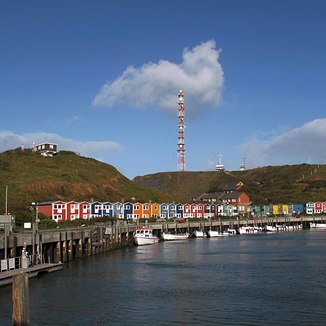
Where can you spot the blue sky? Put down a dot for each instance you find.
(101, 78)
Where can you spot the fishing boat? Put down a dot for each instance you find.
(174, 237)
(317, 225)
(145, 236)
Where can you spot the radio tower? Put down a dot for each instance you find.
(181, 138)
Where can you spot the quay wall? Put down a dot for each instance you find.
(63, 245)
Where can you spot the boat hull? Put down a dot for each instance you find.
(174, 237)
(317, 225)
(248, 230)
(145, 236)
(199, 234)
(141, 241)
(215, 234)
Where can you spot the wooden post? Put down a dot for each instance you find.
(20, 300)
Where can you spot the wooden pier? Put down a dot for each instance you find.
(6, 278)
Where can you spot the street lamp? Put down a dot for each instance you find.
(34, 232)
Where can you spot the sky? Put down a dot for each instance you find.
(101, 78)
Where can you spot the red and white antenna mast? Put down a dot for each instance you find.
(181, 128)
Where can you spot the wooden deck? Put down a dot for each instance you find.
(7, 277)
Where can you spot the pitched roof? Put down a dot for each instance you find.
(210, 195)
(232, 195)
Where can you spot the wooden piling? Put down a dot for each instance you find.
(20, 300)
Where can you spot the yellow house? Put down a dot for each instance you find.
(276, 210)
(285, 209)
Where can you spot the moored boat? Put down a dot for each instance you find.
(199, 234)
(214, 234)
(247, 230)
(317, 225)
(145, 236)
(232, 231)
(174, 237)
(270, 229)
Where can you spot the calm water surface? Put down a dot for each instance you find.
(275, 279)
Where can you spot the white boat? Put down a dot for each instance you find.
(270, 229)
(145, 236)
(232, 231)
(199, 234)
(214, 234)
(247, 230)
(317, 225)
(174, 237)
(280, 227)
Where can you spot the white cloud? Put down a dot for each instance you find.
(294, 146)
(199, 74)
(10, 140)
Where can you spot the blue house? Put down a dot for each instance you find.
(164, 210)
(179, 211)
(118, 210)
(172, 210)
(96, 209)
(128, 211)
(107, 209)
(298, 209)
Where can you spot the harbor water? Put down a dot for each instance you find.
(263, 279)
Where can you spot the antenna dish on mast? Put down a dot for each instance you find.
(220, 166)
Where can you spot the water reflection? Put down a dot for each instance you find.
(236, 281)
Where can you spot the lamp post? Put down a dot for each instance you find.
(5, 224)
(34, 233)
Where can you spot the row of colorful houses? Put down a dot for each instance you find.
(63, 211)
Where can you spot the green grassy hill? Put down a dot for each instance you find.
(67, 176)
(272, 184)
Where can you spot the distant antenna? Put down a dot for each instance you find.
(243, 165)
(220, 166)
(181, 127)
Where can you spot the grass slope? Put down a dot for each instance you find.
(67, 176)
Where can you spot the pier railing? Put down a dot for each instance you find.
(10, 264)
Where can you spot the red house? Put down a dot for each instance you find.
(72, 210)
(59, 211)
(193, 210)
(187, 211)
(318, 207)
(200, 210)
(84, 210)
(56, 210)
(45, 208)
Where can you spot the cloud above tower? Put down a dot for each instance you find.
(199, 74)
